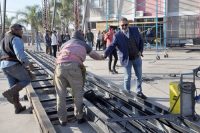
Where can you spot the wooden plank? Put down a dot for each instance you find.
(43, 120)
(42, 84)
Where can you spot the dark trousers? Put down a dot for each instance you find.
(98, 45)
(48, 50)
(114, 53)
(54, 50)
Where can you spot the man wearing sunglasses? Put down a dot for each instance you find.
(130, 45)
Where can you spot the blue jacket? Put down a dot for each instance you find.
(121, 42)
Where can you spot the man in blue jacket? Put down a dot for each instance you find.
(130, 45)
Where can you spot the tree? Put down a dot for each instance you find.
(67, 12)
(64, 13)
(31, 16)
(9, 21)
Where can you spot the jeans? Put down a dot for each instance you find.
(137, 66)
(90, 44)
(98, 45)
(17, 74)
(38, 46)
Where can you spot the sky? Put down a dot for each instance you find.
(16, 5)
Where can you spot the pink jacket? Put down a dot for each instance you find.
(72, 53)
(108, 37)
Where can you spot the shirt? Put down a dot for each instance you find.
(126, 33)
(73, 51)
(54, 40)
(18, 47)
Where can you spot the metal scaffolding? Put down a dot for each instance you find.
(183, 22)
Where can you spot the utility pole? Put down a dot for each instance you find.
(1, 16)
(165, 27)
(85, 3)
(158, 57)
(118, 13)
(4, 18)
(76, 14)
(45, 14)
(53, 18)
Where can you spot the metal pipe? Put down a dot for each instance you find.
(165, 26)
(4, 19)
(157, 26)
(118, 13)
(1, 16)
(107, 14)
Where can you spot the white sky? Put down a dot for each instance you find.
(15, 5)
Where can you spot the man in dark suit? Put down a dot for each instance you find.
(130, 45)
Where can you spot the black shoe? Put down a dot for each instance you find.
(115, 72)
(111, 71)
(19, 110)
(141, 95)
(80, 121)
(8, 96)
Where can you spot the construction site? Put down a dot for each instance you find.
(170, 73)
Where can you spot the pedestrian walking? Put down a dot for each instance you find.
(103, 42)
(37, 41)
(14, 64)
(130, 45)
(70, 72)
(89, 38)
(149, 37)
(98, 45)
(109, 38)
(54, 43)
(59, 39)
(47, 40)
(65, 37)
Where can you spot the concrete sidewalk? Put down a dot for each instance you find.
(11, 122)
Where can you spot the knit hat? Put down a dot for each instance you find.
(78, 35)
(15, 27)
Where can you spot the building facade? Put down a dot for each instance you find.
(170, 19)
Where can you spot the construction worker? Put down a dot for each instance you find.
(70, 72)
(13, 64)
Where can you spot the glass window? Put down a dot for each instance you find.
(93, 25)
(96, 3)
